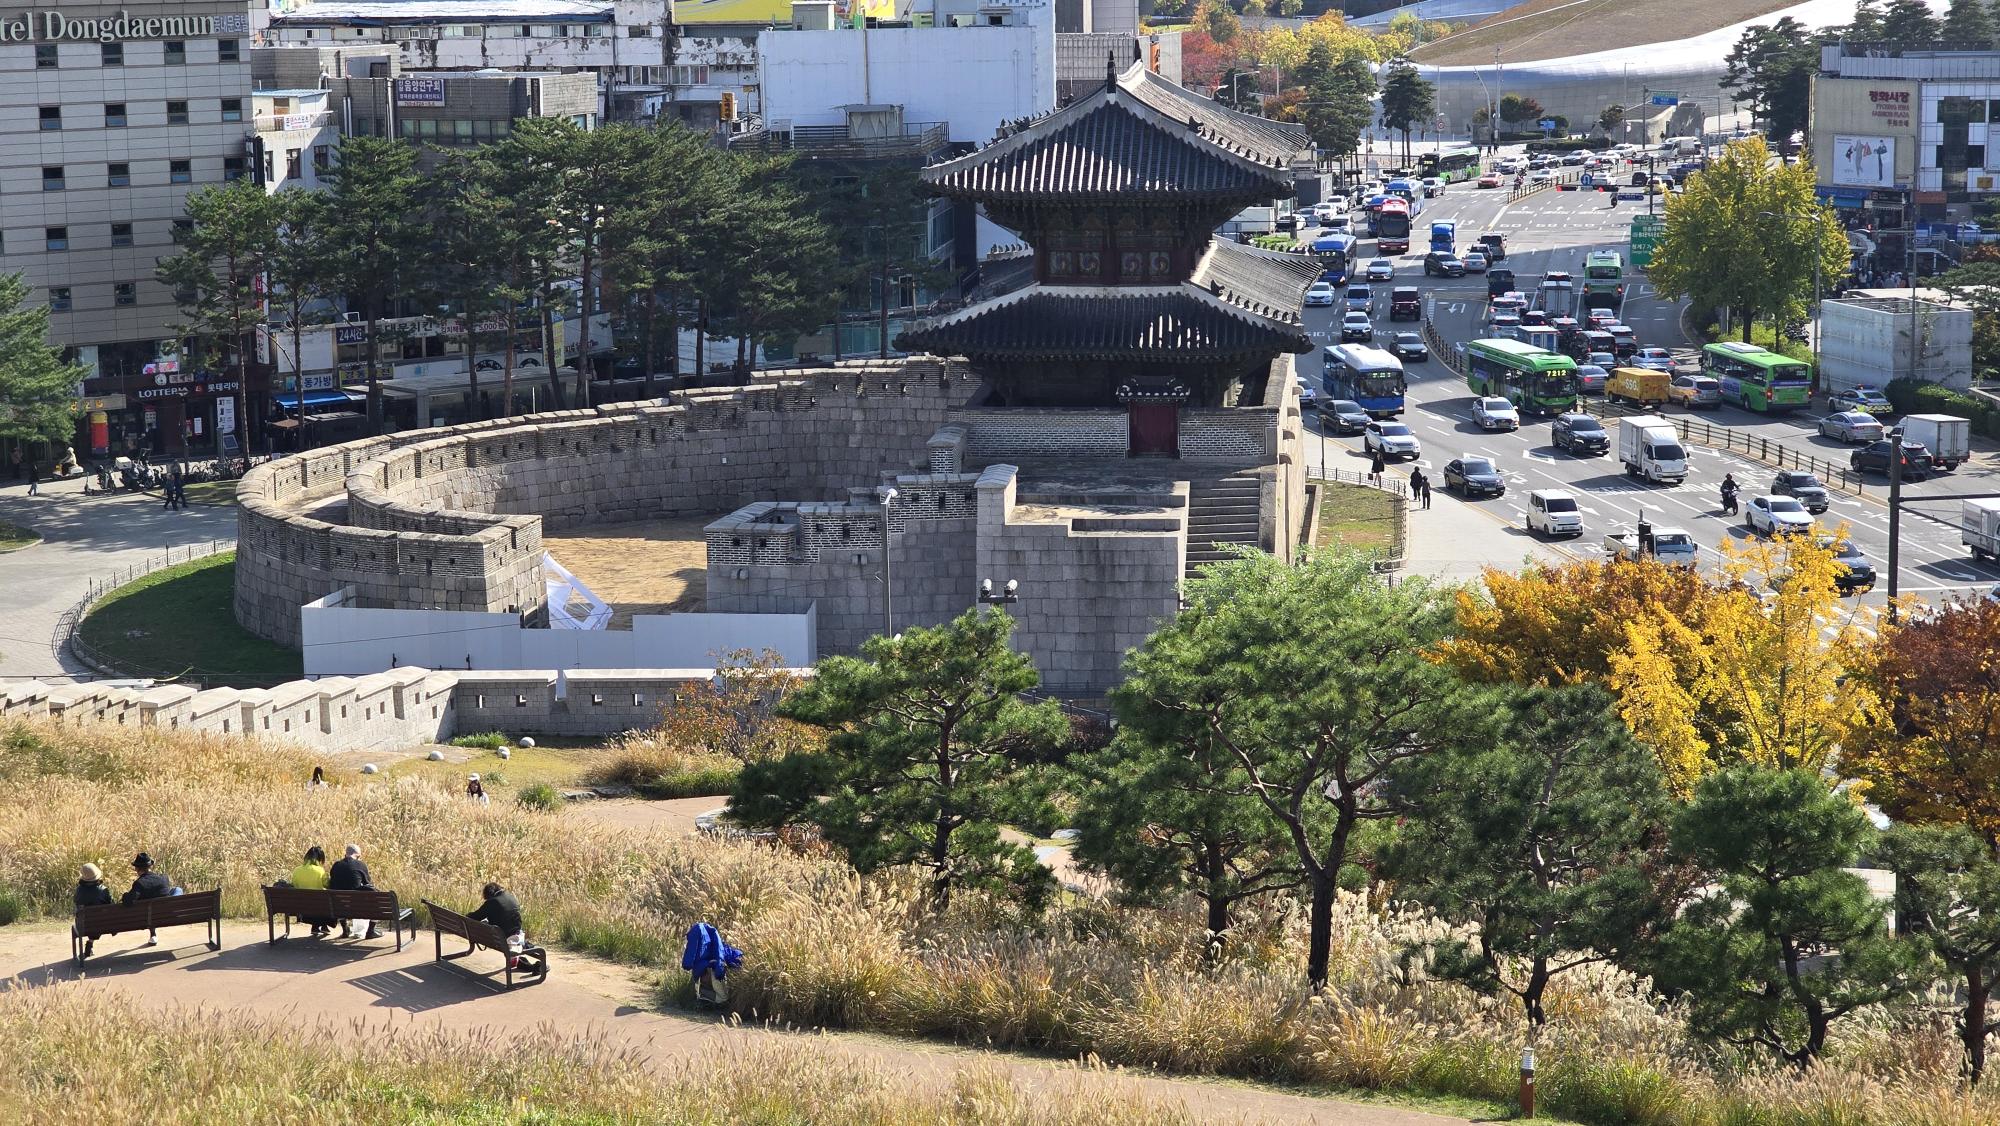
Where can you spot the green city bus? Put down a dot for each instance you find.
(1535, 380)
(1758, 379)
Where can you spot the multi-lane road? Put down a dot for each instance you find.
(1554, 230)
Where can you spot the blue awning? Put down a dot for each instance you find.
(314, 398)
(1842, 198)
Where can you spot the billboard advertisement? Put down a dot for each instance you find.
(1863, 162)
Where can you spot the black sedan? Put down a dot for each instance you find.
(1580, 434)
(1852, 572)
(1803, 487)
(1474, 477)
(1343, 416)
(1875, 456)
(1410, 346)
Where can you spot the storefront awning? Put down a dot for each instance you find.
(1843, 197)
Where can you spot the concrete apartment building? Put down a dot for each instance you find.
(110, 114)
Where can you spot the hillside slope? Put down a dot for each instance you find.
(1550, 29)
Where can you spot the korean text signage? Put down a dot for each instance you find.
(420, 91)
(1891, 107)
(52, 26)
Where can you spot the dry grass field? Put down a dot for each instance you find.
(1551, 29)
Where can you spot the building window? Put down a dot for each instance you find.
(114, 115)
(120, 176)
(409, 127)
(177, 52)
(177, 113)
(232, 109)
(45, 56)
(59, 299)
(427, 128)
(690, 75)
(180, 172)
(52, 177)
(182, 229)
(264, 166)
(461, 131)
(232, 168)
(125, 293)
(51, 118)
(111, 54)
(121, 234)
(293, 170)
(229, 50)
(322, 158)
(55, 238)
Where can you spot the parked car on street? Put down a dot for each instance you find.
(1393, 439)
(1492, 412)
(1776, 515)
(1474, 477)
(1580, 434)
(1801, 486)
(1851, 426)
(1864, 399)
(1874, 457)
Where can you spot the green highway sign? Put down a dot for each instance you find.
(1645, 236)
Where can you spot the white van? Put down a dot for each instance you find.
(1553, 512)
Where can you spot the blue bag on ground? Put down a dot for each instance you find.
(707, 953)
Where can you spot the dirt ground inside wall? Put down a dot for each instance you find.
(643, 567)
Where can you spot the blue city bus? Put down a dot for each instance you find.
(1335, 253)
(1368, 375)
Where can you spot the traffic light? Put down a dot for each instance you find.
(728, 106)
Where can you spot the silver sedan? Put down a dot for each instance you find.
(1851, 426)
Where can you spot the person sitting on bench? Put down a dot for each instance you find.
(311, 876)
(148, 884)
(91, 892)
(350, 874)
(502, 912)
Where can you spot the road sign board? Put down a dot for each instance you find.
(1547, 123)
(1666, 99)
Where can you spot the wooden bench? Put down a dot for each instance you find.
(148, 915)
(445, 921)
(319, 903)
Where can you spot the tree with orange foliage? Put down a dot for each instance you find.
(1936, 761)
(733, 714)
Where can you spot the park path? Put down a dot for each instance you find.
(361, 985)
(83, 538)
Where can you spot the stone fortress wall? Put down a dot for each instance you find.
(451, 518)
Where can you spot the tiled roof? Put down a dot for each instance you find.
(1251, 278)
(1141, 135)
(1167, 324)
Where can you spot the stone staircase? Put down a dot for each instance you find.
(1221, 511)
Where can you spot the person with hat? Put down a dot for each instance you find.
(148, 884)
(91, 891)
(475, 790)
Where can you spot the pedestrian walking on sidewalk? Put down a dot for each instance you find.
(34, 479)
(1375, 467)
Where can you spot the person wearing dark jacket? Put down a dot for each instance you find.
(503, 912)
(91, 891)
(350, 874)
(147, 885)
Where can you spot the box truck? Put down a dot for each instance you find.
(1650, 448)
(1949, 438)
(1979, 527)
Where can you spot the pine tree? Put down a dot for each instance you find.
(37, 386)
(1408, 101)
(1968, 24)
(375, 237)
(1909, 23)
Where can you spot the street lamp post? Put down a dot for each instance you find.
(1895, 513)
(1008, 594)
(887, 494)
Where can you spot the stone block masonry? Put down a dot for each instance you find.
(386, 711)
(452, 518)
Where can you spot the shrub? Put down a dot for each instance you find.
(1910, 396)
(540, 796)
(487, 740)
(11, 907)
(656, 769)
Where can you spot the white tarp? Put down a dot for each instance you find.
(571, 604)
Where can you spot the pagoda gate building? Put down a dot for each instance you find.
(1131, 299)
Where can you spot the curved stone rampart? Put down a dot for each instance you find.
(452, 517)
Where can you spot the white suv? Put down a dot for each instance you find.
(1553, 512)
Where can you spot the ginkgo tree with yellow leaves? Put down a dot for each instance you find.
(1750, 667)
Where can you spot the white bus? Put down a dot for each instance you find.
(1370, 376)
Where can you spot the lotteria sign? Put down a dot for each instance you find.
(50, 26)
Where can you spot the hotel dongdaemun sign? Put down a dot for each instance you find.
(51, 26)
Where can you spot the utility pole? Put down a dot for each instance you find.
(1895, 514)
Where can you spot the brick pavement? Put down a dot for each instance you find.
(83, 538)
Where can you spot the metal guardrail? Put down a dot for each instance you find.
(1774, 454)
(70, 621)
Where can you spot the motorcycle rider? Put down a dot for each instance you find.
(1729, 493)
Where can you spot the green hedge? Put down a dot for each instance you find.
(1911, 396)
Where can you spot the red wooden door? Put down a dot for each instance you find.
(1155, 430)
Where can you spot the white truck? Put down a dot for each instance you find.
(1651, 448)
(1947, 437)
(1979, 527)
(1670, 545)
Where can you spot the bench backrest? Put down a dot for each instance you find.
(166, 911)
(331, 904)
(448, 921)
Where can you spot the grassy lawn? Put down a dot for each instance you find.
(179, 621)
(212, 492)
(1357, 517)
(1766, 336)
(561, 767)
(14, 539)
